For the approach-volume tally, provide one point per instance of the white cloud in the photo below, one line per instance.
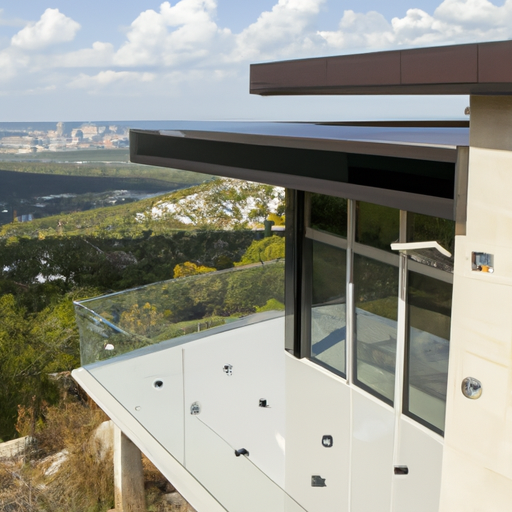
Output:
(284, 31)
(53, 27)
(469, 20)
(12, 63)
(359, 30)
(454, 21)
(179, 50)
(186, 34)
(176, 34)
(473, 12)
(100, 55)
(7, 65)
(109, 78)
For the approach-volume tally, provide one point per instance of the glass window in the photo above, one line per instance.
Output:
(376, 303)
(329, 213)
(429, 306)
(425, 228)
(375, 274)
(377, 226)
(328, 325)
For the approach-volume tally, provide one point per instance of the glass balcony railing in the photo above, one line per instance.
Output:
(118, 323)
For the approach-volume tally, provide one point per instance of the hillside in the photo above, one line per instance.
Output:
(225, 204)
(49, 262)
(219, 204)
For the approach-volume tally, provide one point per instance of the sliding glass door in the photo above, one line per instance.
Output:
(353, 283)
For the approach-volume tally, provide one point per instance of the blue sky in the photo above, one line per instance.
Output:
(189, 59)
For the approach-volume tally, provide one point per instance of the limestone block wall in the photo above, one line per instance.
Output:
(477, 463)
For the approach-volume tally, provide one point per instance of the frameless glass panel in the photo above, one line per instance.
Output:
(329, 213)
(429, 306)
(328, 325)
(376, 302)
(377, 226)
(115, 324)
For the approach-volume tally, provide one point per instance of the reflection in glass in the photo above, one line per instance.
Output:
(328, 326)
(425, 228)
(377, 226)
(429, 305)
(121, 322)
(376, 301)
(329, 213)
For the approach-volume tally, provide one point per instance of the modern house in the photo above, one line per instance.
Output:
(386, 383)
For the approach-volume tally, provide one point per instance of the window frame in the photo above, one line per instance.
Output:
(300, 237)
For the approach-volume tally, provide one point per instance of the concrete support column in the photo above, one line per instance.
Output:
(128, 475)
(477, 459)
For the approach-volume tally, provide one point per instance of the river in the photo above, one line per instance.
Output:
(28, 196)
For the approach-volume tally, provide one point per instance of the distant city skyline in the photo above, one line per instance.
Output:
(61, 136)
(189, 59)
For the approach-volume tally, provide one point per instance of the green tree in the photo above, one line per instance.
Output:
(267, 249)
(190, 269)
(31, 347)
(141, 320)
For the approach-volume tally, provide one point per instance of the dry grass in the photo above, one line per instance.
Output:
(84, 481)
(17, 493)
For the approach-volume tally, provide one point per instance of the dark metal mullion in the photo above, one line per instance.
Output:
(290, 273)
(307, 297)
(294, 271)
(306, 250)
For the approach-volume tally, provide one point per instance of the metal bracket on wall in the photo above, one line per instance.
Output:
(317, 481)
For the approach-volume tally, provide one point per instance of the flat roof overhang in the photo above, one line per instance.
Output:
(407, 167)
(480, 69)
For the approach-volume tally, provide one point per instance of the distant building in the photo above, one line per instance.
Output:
(18, 141)
(60, 129)
(77, 135)
(120, 143)
(89, 131)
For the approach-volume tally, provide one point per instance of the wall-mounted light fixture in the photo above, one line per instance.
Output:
(471, 388)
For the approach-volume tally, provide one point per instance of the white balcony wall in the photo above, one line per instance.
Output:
(230, 414)
(131, 381)
(230, 403)
(318, 404)
(421, 450)
(305, 402)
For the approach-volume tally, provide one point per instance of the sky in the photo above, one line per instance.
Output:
(69, 60)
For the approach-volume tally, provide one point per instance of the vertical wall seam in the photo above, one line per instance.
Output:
(478, 63)
(400, 351)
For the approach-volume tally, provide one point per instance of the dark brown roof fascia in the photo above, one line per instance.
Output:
(481, 68)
